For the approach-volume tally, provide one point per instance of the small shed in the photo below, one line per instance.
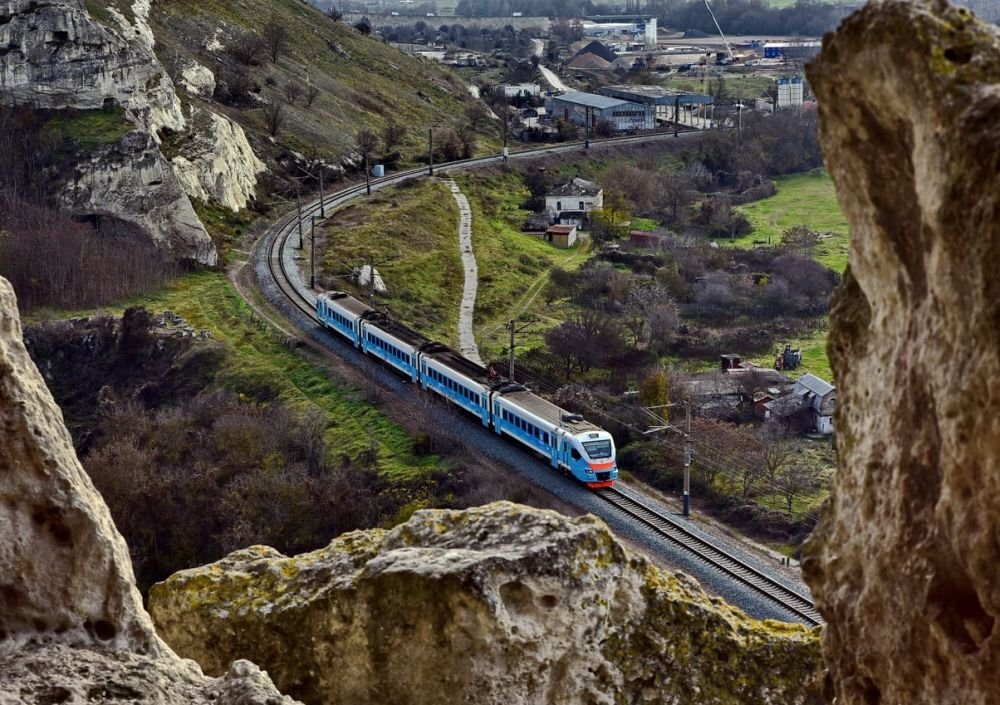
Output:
(561, 235)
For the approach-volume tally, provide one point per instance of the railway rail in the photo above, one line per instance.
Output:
(280, 260)
(717, 558)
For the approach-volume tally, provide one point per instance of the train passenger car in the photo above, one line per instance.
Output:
(342, 313)
(392, 342)
(567, 440)
(457, 379)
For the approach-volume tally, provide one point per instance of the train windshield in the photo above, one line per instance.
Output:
(598, 449)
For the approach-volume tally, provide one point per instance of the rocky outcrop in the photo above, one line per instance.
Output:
(72, 625)
(55, 55)
(496, 605)
(217, 161)
(130, 179)
(904, 563)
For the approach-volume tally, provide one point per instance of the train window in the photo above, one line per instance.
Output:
(598, 449)
(576, 454)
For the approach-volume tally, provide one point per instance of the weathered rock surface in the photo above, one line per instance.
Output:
(500, 604)
(56, 56)
(131, 180)
(217, 161)
(72, 625)
(904, 564)
(66, 574)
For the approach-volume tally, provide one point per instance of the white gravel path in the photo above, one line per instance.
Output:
(466, 339)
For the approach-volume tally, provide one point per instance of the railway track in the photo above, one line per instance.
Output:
(717, 558)
(280, 260)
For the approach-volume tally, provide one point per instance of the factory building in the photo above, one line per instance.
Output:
(791, 50)
(639, 28)
(667, 104)
(624, 115)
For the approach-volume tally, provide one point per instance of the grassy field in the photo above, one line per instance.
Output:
(803, 199)
(413, 228)
(513, 267)
(258, 358)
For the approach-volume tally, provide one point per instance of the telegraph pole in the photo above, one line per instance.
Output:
(298, 201)
(322, 205)
(663, 426)
(586, 128)
(677, 116)
(312, 252)
(514, 330)
(430, 150)
(687, 457)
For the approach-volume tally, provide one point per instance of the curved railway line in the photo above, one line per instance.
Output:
(279, 260)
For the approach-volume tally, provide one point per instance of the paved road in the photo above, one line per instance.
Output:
(549, 74)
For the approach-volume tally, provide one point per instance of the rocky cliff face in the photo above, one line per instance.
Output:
(904, 563)
(72, 625)
(56, 55)
(130, 179)
(496, 605)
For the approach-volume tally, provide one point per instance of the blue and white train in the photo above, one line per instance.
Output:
(566, 440)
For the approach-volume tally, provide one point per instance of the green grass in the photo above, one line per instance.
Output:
(88, 129)
(741, 86)
(413, 228)
(362, 81)
(513, 267)
(258, 358)
(803, 199)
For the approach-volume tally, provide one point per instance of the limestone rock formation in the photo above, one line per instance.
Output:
(56, 56)
(904, 564)
(496, 605)
(130, 179)
(217, 161)
(72, 625)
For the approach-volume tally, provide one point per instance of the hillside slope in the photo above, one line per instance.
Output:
(361, 82)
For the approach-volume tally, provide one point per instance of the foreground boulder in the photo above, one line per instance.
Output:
(72, 624)
(904, 564)
(501, 604)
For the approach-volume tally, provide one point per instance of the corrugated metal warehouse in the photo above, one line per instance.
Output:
(622, 114)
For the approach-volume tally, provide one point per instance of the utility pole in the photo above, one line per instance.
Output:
(687, 457)
(677, 115)
(298, 201)
(663, 426)
(514, 330)
(322, 197)
(430, 150)
(586, 128)
(312, 252)
(368, 175)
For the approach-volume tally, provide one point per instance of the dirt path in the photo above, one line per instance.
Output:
(466, 338)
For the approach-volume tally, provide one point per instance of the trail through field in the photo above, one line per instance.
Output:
(466, 338)
(530, 294)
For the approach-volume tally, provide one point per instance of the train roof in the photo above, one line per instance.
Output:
(463, 365)
(397, 329)
(348, 302)
(548, 411)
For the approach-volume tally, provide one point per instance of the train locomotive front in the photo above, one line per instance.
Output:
(592, 458)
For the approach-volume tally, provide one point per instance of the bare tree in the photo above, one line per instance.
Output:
(797, 479)
(392, 136)
(274, 118)
(334, 13)
(292, 91)
(366, 142)
(775, 448)
(247, 48)
(275, 38)
(312, 93)
(475, 114)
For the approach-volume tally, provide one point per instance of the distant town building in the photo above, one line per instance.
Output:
(623, 115)
(639, 28)
(812, 401)
(569, 203)
(792, 50)
(512, 90)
